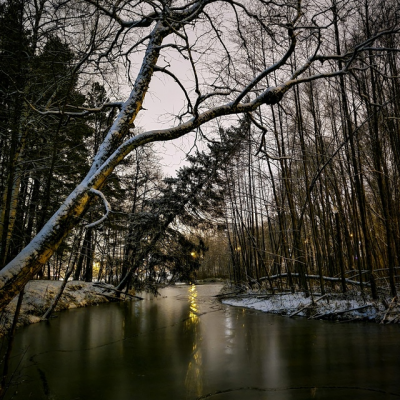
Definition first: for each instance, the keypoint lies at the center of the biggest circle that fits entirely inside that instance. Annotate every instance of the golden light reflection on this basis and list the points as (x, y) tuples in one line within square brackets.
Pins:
[(194, 373), (193, 307)]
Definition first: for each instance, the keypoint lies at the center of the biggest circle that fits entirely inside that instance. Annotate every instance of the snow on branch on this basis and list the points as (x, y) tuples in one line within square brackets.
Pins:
[(86, 110), (106, 205)]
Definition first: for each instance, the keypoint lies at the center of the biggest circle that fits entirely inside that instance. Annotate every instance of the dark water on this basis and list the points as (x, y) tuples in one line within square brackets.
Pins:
[(185, 345)]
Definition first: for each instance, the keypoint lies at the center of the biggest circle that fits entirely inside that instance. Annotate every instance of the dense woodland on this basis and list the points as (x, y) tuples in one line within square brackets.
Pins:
[(297, 192)]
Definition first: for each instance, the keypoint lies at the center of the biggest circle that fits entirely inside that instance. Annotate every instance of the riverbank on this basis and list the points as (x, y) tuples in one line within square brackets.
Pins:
[(351, 306), (39, 294)]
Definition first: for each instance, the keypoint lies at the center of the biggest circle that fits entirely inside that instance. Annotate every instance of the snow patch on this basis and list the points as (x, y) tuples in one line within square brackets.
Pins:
[(349, 306), (38, 296)]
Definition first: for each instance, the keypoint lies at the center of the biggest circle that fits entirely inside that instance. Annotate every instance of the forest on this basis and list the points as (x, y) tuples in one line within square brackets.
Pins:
[(293, 179)]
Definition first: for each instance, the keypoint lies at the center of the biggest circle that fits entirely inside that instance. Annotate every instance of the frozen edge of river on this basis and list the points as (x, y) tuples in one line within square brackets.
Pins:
[(338, 307), (38, 296)]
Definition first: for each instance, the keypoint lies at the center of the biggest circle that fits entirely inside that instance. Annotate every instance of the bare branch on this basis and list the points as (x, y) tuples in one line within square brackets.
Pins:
[(174, 77), (86, 110), (106, 206)]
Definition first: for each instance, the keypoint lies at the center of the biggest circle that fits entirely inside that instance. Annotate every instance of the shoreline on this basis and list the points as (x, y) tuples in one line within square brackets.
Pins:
[(39, 294), (348, 307)]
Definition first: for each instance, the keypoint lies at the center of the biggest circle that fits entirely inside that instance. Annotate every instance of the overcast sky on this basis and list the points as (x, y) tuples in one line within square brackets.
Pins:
[(163, 101)]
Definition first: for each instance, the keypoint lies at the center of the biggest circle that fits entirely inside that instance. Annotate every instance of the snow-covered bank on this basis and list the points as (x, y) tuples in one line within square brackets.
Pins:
[(38, 296), (343, 307)]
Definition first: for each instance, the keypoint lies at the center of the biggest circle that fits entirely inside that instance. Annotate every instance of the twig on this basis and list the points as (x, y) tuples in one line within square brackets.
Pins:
[(118, 291), (308, 305), (227, 294), (107, 296), (106, 205), (325, 278), (391, 306), (340, 312)]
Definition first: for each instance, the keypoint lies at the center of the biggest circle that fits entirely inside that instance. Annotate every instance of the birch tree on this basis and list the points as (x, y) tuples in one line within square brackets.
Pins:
[(209, 36)]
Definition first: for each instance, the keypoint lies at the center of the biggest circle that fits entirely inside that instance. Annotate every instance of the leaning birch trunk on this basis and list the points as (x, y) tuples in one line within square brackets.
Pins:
[(20, 270), (31, 259)]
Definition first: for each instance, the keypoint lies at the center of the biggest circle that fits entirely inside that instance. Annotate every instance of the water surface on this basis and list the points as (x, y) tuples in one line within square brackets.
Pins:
[(186, 345)]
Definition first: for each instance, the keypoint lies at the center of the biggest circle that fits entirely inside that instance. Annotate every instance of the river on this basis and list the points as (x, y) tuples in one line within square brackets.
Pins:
[(185, 345)]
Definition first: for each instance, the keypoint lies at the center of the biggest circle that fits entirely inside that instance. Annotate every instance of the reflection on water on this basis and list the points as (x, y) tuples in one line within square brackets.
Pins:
[(193, 319), (194, 374), (185, 345)]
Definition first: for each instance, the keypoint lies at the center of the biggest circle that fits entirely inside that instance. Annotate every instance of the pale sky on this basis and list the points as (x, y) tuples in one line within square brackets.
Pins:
[(163, 100)]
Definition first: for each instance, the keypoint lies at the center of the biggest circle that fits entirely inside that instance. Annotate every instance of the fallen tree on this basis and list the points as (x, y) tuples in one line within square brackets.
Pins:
[(317, 277)]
